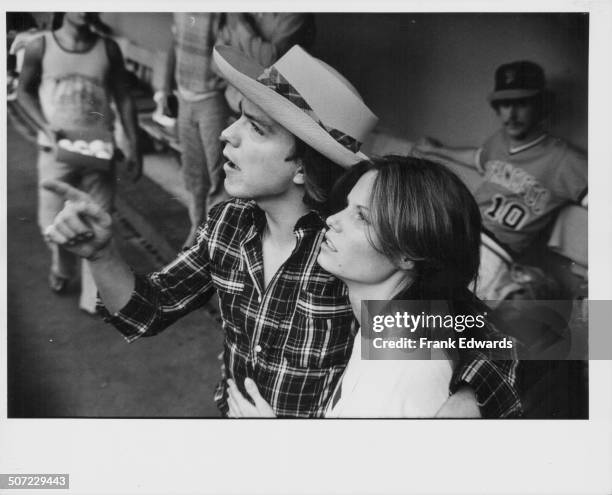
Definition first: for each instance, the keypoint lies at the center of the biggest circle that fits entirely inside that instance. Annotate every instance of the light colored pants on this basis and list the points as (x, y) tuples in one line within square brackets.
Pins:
[(199, 127), (99, 185)]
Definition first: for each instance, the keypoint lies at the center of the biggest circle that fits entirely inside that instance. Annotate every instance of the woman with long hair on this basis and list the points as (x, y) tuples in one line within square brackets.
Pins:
[(405, 229)]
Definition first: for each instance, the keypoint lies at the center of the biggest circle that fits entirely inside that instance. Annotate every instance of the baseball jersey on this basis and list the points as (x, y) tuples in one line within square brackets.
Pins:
[(523, 187)]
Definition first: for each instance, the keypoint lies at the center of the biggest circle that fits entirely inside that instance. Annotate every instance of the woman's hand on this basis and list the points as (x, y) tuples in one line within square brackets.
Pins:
[(462, 404), (241, 407)]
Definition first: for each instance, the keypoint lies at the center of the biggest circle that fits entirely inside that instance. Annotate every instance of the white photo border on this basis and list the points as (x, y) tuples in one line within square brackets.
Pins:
[(369, 456)]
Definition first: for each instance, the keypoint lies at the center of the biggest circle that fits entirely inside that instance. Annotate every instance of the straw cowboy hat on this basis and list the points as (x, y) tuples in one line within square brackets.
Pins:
[(307, 97)]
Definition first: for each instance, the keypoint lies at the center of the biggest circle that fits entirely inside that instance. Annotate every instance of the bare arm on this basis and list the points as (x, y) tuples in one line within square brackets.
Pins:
[(114, 278), (435, 151), (290, 29), (29, 82), (118, 84)]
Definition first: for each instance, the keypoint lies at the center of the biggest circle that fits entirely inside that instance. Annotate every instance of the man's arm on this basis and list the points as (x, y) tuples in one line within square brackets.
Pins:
[(571, 177), (136, 305), (114, 279), (85, 229), (493, 384), (289, 30), (29, 82), (434, 150), (119, 87)]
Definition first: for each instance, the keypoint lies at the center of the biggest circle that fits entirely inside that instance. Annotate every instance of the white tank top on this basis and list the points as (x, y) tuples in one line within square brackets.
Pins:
[(74, 94)]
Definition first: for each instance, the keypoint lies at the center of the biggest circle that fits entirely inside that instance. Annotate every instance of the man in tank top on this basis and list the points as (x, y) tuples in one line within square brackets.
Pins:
[(69, 78)]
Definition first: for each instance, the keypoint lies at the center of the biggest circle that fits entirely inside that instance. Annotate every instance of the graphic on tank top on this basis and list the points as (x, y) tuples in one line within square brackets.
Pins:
[(77, 101), (74, 93)]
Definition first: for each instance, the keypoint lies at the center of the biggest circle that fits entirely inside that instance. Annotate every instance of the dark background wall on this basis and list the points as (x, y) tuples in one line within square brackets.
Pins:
[(429, 74)]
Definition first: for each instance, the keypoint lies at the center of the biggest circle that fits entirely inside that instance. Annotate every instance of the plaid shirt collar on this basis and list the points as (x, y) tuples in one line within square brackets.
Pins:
[(312, 221)]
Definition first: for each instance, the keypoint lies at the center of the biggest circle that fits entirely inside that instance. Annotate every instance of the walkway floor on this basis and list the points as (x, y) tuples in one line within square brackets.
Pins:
[(63, 362)]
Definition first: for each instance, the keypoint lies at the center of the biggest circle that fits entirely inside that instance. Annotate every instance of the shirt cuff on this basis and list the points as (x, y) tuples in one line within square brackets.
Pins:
[(493, 383), (135, 319)]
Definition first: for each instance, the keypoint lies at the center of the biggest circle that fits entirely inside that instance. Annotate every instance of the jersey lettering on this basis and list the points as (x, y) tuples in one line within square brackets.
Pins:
[(507, 213), (513, 216), (518, 181), (493, 211)]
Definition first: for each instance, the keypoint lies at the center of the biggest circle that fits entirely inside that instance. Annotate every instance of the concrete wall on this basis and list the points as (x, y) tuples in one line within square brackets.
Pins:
[(429, 74)]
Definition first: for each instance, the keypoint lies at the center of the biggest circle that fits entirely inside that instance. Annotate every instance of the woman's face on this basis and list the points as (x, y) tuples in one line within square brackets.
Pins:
[(347, 250)]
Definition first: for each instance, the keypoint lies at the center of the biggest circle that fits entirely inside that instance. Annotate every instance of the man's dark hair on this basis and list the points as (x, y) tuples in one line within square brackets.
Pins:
[(320, 174), (56, 20)]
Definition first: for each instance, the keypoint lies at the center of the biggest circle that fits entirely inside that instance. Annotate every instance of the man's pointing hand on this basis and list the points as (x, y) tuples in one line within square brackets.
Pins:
[(82, 227)]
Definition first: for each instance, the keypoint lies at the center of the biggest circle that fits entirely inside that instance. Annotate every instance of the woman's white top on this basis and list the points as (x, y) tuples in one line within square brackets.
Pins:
[(390, 389)]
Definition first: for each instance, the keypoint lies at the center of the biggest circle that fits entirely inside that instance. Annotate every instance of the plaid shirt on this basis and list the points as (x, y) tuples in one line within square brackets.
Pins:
[(195, 34), (294, 337)]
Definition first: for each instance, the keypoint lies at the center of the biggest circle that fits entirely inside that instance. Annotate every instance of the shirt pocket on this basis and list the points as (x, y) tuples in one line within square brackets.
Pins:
[(230, 286), (319, 333)]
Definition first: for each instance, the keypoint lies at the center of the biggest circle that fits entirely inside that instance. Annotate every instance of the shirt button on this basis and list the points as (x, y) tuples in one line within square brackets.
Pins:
[(257, 349)]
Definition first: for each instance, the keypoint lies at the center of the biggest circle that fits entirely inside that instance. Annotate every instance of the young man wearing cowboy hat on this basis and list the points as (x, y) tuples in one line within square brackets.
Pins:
[(288, 323)]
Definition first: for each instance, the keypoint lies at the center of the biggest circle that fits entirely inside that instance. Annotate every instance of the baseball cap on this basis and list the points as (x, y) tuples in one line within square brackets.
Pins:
[(521, 79)]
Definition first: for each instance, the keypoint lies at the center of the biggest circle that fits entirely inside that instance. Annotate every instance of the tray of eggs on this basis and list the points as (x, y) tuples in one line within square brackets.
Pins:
[(96, 153)]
